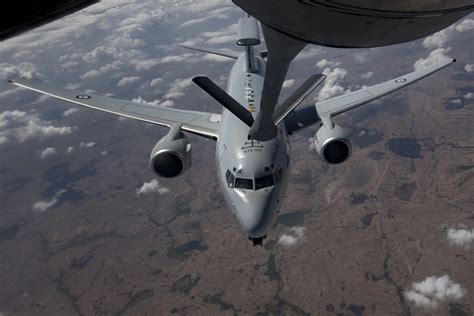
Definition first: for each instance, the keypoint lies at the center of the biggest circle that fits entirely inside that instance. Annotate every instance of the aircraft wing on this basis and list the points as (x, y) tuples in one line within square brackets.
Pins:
[(200, 123), (323, 111), (352, 100)]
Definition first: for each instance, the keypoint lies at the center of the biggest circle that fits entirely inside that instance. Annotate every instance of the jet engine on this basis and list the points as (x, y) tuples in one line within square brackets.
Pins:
[(171, 156), (332, 144)]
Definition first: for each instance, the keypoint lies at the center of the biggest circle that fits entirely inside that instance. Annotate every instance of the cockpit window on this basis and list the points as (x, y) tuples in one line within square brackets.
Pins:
[(278, 174), (229, 176), (264, 182), (246, 184)]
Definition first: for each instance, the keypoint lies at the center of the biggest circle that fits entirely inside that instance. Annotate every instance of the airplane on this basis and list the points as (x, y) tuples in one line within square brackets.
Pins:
[(253, 174), (22, 15)]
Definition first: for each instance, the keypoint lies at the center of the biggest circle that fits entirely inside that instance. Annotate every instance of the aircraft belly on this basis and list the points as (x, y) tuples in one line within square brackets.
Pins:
[(360, 23)]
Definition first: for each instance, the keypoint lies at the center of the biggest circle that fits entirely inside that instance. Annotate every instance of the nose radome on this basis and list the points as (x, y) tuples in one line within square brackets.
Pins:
[(255, 215)]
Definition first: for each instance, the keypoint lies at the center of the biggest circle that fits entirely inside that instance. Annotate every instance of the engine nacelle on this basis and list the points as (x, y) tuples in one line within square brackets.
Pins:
[(171, 156), (332, 145)]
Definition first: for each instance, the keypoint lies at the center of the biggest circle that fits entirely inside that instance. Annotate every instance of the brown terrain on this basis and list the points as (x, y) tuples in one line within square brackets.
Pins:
[(373, 225)]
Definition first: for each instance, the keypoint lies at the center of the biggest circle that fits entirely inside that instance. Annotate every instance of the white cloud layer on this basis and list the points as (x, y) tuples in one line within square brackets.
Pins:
[(48, 152), (70, 111), (435, 56), (152, 187), (127, 81), (177, 87), (439, 39), (324, 63), (21, 126), (434, 290), (332, 87), (87, 144), (42, 206), (469, 67), (292, 237), (288, 83), (461, 236)]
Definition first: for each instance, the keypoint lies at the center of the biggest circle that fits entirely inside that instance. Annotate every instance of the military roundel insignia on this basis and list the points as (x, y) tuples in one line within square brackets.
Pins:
[(400, 80), (83, 97)]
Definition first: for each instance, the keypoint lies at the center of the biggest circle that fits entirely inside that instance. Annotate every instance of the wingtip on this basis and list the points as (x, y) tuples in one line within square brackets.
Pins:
[(454, 60), (10, 80)]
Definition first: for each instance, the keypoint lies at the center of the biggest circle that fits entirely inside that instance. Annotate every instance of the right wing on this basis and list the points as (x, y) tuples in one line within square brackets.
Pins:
[(200, 123)]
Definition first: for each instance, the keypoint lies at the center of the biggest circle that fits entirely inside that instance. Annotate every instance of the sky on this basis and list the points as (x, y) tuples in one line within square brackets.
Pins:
[(128, 50)]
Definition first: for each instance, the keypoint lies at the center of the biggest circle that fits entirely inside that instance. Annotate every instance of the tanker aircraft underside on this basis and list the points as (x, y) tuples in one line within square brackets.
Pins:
[(252, 143)]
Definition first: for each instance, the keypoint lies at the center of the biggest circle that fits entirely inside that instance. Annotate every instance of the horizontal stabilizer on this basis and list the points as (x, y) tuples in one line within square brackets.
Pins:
[(297, 97), (218, 52), (224, 99)]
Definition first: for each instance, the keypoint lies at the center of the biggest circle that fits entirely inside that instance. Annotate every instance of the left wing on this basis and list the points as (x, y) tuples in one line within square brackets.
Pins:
[(325, 110), (200, 123), (352, 100)]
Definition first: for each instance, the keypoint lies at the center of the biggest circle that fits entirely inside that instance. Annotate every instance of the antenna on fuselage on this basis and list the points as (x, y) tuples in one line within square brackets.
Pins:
[(248, 36)]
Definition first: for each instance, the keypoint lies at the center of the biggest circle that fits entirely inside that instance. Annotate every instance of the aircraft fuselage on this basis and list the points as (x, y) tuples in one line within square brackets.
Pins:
[(253, 174)]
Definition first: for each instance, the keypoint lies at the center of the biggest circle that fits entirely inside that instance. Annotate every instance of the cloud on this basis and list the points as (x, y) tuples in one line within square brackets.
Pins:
[(461, 236), (156, 82), (367, 75), (70, 111), (434, 290), (469, 96), (127, 81), (26, 69), (469, 67), (332, 86), (288, 83), (437, 40), (104, 153), (224, 35), (42, 206), (152, 187), (22, 126), (435, 56), (324, 63), (465, 25), (293, 236), (166, 103), (216, 58), (48, 152), (177, 87), (309, 52), (87, 145), (69, 150)]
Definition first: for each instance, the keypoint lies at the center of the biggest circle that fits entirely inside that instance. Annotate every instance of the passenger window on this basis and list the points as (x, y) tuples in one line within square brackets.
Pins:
[(264, 182), (246, 184)]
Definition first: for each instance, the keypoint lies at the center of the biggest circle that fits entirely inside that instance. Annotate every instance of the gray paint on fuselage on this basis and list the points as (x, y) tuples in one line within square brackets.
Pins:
[(256, 210)]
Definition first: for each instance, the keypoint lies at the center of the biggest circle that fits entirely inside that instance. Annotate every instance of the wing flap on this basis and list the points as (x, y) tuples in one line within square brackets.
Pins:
[(200, 123)]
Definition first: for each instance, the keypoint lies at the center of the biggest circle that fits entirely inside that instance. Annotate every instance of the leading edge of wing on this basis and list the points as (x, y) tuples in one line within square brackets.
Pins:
[(357, 98), (199, 123)]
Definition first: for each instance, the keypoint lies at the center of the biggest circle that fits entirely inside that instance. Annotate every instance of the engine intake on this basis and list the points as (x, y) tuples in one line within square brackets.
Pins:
[(171, 156), (332, 145)]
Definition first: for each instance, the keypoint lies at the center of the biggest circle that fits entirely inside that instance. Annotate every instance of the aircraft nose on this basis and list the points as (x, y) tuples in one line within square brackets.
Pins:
[(255, 215)]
